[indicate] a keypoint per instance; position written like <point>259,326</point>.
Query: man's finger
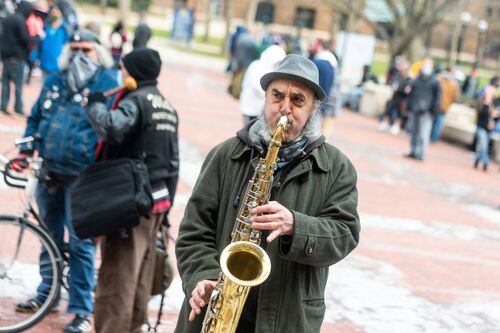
<point>192,315</point>
<point>269,208</point>
<point>265,226</point>
<point>200,288</point>
<point>266,218</point>
<point>194,305</point>
<point>273,235</point>
<point>197,298</point>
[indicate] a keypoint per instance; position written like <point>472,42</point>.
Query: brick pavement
<point>429,255</point>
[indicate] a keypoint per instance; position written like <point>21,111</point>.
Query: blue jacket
<point>68,140</point>
<point>51,47</point>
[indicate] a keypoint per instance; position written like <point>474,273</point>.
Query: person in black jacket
<point>15,35</point>
<point>143,125</point>
<point>142,33</point>
<point>423,103</point>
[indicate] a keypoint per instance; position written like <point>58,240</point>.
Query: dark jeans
<point>13,70</point>
<point>55,211</point>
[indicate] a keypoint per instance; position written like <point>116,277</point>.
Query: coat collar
<point>317,154</point>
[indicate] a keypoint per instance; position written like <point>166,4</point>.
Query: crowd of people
<point>422,92</point>
<point>251,58</point>
<point>310,220</point>
<point>422,98</point>
<point>82,124</point>
<point>72,117</point>
<point>38,33</point>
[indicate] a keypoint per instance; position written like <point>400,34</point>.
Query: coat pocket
<point>314,313</point>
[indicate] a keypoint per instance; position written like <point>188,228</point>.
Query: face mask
<point>80,70</point>
<point>426,70</point>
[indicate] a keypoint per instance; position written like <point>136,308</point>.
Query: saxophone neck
<point>279,132</point>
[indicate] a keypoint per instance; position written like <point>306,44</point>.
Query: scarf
<point>80,70</point>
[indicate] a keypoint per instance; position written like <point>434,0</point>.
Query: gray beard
<point>261,131</point>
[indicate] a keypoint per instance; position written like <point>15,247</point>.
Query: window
<point>489,11</point>
<point>216,8</point>
<point>344,19</point>
<point>265,12</point>
<point>304,17</point>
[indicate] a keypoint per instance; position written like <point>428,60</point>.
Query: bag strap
<point>164,240</point>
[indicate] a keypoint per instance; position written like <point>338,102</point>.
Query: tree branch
<point>347,7</point>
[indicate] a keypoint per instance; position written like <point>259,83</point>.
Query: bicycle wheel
<point>22,269</point>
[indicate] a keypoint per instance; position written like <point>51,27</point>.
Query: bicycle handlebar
<point>8,177</point>
<point>33,138</point>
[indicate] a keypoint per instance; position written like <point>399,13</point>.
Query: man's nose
<point>285,107</point>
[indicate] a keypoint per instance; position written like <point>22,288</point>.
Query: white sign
<point>355,51</point>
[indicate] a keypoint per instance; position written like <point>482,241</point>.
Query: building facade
<point>315,18</point>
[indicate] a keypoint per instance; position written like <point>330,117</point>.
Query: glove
<point>19,164</point>
<point>97,97</point>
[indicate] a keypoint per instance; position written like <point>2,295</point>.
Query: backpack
<point>236,84</point>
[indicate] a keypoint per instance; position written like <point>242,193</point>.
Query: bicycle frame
<point>30,185</point>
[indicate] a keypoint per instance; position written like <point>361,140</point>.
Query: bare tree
<point>229,17</point>
<point>124,8</point>
<point>409,20</point>
<point>104,5</point>
<point>208,18</point>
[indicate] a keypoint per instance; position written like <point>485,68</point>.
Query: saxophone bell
<point>245,263</point>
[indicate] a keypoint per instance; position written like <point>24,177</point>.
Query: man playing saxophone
<point>309,223</point>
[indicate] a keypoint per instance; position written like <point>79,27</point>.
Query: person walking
<point>485,124</point>
<point>329,80</point>
<point>67,147</point>
<point>450,92</point>
<point>310,223</point>
<point>423,104</point>
<point>142,32</point>
<point>142,125</point>
<point>394,117</point>
<point>56,36</point>
<point>15,57</point>
<point>117,39</point>
<point>252,98</point>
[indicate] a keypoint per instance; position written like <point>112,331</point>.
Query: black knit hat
<point>143,64</point>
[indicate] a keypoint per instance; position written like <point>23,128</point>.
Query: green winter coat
<point>321,193</point>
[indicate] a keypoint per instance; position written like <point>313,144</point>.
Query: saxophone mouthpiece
<point>284,121</point>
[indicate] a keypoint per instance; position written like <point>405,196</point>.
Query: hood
<point>328,56</point>
<point>25,8</point>
<point>272,56</point>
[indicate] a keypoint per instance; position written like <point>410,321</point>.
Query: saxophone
<point>244,263</point>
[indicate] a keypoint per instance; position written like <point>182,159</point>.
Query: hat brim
<point>267,78</point>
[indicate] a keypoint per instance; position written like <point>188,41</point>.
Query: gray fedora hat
<point>297,68</point>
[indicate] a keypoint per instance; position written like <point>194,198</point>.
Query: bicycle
<point>19,257</point>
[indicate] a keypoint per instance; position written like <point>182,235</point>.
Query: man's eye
<point>277,96</point>
<point>298,101</point>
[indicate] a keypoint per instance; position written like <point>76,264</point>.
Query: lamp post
<point>482,26</point>
<point>465,18</point>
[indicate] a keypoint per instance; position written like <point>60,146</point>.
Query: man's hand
<point>200,297</point>
<point>96,97</point>
<point>275,217</point>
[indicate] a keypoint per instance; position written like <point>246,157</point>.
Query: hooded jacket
<point>320,191</point>
<point>15,33</point>
<point>252,97</point>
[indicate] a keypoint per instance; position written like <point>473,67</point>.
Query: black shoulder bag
<point>110,196</point>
